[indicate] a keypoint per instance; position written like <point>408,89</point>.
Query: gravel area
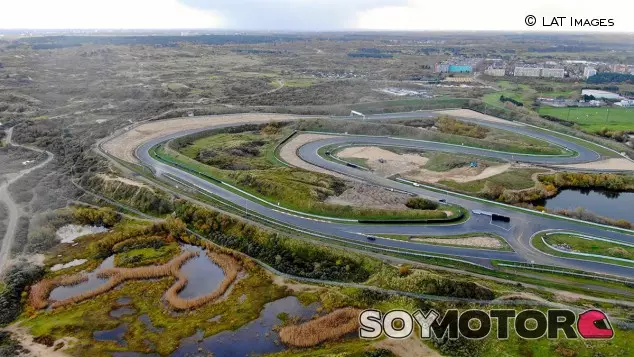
<point>384,162</point>
<point>479,242</point>
<point>362,195</point>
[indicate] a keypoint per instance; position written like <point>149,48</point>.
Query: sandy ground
<point>74,263</point>
<point>608,164</point>
<point>70,232</point>
<point>123,180</point>
<point>412,346</point>
<point>37,350</point>
<point>460,174</point>
<point>480,242</point>
<point>470,114</point>
<point>392,163</point>
<point>292,286</point>
<point>371,197</point>
<point>124,145</point>
<point>411,166</point>
<point>288,153</point>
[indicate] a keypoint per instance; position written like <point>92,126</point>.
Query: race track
<point>517,233</point>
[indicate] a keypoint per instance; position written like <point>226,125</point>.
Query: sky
<point>310,15</point>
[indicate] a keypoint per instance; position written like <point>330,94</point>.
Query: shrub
<point>421,203</point>
<point>17,278</point>
<point>452,126</point>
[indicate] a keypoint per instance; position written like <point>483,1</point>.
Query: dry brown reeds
<point>230,266</point>
<point>120,275</point>
<point>38,296</point>
<point>330,327</point>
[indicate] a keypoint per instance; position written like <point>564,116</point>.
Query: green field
<point>586,246</point>
<point>595,119</point>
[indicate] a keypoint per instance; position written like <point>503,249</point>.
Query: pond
<point>203,276</point>
<point>115,335</point>
<point>255,338</point>
<point>610,204</point>
<point>65,292</point>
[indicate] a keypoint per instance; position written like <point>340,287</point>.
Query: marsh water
<point>65,292</point>
<point>255,338</point>
<point>203,277</point>
<point>610,204</point>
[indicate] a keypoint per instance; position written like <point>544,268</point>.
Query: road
<point>523,224</point>
<point>13,209</point>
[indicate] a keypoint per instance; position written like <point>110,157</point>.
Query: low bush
<point>17,278</point>
<point>421,203</point>
<point>449,125</point>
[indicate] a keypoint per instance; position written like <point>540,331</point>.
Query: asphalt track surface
<point>517,233</point>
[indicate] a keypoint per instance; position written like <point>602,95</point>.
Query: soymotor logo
<point>476,324</point>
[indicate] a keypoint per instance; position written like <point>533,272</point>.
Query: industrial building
<point>589,72</point>
<point>539,72</point>
<point>495,72</point>
<point>457,65</point>
<point>527,72</point>
<point>601,94</point>
<point>553,72</point>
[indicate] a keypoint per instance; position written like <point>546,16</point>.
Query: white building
<point>589,72</point>
<point>495,72</point>
<point>527,72</point>
<point>600,94</point>
<point>627,103</point>
<point>553,72</point>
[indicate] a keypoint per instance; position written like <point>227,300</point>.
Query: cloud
<point>104,14</point>
<point>299,15</point>
<point>493,15</point>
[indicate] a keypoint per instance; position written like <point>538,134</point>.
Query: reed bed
<point>230,266</point>
<point>330,327</point>
<point>38,295</point>
<point>120,275</point>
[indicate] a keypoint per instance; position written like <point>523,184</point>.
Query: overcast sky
<point>308,15</point>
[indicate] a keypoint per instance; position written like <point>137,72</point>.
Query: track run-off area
<point>136,143</point>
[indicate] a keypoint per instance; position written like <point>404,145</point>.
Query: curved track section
<point>518,233</point>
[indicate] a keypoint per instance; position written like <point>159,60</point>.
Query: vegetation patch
<point>330,327</point>
<point>570,245</point>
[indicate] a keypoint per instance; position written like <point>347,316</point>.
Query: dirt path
<point>38,350</point>
<point>608,164</point>
<point>470,114</point>
<point>124,145</point>
<point>13,211</point>
<point>412,346</point>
